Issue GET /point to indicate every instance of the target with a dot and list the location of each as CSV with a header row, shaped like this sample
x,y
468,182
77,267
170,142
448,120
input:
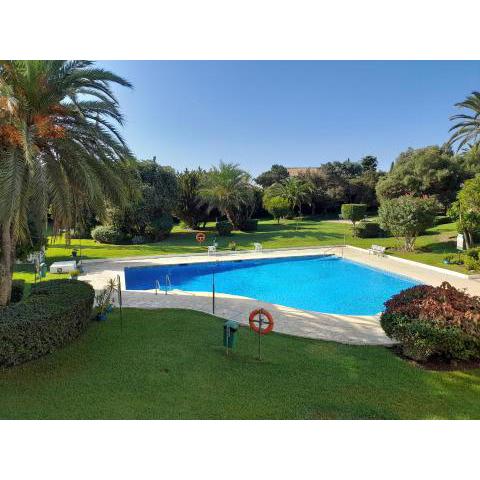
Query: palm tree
x,y
467,130
294,190
59,147
228,188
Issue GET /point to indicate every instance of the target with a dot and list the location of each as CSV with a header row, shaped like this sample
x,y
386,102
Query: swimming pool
x,y
327,284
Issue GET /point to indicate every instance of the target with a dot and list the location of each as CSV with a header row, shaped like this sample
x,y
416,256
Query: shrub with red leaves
x,y
434,322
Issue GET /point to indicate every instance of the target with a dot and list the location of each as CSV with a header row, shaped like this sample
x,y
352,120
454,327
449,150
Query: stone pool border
x,y
350,329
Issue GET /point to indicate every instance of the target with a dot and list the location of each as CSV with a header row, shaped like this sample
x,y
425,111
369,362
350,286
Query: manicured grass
x,y
432,247
170,364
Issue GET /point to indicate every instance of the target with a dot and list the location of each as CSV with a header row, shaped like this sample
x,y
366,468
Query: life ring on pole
x,y
200,237
264,323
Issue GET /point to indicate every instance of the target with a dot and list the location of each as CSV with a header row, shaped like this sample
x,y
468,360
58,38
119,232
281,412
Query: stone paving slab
x,y
351,329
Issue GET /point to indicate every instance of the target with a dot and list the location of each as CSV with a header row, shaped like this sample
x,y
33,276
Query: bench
x,y
377,250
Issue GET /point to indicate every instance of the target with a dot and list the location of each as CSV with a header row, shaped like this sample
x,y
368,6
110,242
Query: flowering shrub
x,y
434,322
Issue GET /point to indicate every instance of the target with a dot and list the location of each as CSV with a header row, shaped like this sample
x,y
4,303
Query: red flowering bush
x,y
440,322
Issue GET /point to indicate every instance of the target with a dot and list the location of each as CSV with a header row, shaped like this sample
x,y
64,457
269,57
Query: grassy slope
x,y
170,364
439,240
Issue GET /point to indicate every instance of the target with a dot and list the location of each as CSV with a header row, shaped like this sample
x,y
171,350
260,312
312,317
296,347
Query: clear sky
x,y
295,113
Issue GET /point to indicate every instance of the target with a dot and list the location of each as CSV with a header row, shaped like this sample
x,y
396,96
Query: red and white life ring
x,y
264,323
200,237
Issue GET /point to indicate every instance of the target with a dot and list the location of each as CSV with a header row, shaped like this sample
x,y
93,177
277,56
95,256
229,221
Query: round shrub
x,y
434,322
369,230
250,225
108,234
354,211
52,315
160,228
224,228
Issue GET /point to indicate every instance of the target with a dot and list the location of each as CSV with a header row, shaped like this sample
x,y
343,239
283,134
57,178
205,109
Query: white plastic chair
x,y
212,250
258,247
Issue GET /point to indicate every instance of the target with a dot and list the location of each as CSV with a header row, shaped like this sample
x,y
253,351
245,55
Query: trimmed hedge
x,y
224,228
18,287
52,315
369,230
434,322
108,234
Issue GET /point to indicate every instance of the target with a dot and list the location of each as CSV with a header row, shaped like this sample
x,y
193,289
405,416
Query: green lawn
x,y
170,364
432,247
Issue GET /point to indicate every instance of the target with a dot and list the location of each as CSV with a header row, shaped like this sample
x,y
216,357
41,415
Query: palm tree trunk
x,y
7,257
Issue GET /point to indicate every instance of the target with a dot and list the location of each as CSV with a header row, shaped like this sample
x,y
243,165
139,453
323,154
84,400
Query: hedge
x,y
52,315
18,287
369,230
434,322
224,228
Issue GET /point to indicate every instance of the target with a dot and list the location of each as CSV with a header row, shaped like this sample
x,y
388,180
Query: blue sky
x,y
256,113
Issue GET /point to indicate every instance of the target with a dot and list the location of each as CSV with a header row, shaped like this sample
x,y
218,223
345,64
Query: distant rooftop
x,y
294,171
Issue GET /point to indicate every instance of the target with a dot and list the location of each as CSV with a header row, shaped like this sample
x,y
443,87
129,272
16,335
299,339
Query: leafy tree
x,y
58,140
369,163
150,216
317,187
466,210
228,189
275,175
294,190
467,129
407,217
190,207
278,207
470,160
432,171
354,212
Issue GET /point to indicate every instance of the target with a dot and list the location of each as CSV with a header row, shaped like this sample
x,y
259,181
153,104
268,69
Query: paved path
x,y
351,329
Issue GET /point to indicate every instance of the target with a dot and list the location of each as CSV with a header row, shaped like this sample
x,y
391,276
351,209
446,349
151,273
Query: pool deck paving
x,y
350,329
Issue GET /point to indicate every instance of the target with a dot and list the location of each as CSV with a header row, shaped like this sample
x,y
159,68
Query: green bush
x,y
354,212
369,230
108,234
434,322
18,287
407,217
160,228
442,220
224,228
471,263
54,313
473,253
250,225
278,207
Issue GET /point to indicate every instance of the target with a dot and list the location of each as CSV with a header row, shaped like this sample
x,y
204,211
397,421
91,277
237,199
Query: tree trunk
x,y
7,257
468,237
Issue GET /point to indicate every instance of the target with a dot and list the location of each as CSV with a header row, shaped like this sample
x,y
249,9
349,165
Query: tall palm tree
x,y
59,147
228,188
294,190
467,128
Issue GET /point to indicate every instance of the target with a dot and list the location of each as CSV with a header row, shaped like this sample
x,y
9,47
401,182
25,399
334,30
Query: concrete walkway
x,y
351,329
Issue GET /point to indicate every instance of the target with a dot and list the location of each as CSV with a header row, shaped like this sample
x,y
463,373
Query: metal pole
x,y
260,322
119,286
213,290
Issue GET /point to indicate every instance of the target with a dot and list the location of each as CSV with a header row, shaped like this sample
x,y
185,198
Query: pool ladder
x,y
168,284
333,248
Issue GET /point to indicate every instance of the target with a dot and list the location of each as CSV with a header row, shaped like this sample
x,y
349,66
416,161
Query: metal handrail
x,y
168,283
157,286
333,247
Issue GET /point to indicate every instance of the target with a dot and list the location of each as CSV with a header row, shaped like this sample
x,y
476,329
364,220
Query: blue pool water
x,y
326,284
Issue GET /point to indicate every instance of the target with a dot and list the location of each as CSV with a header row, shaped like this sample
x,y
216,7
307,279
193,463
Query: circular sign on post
x,y
261,321
200,237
